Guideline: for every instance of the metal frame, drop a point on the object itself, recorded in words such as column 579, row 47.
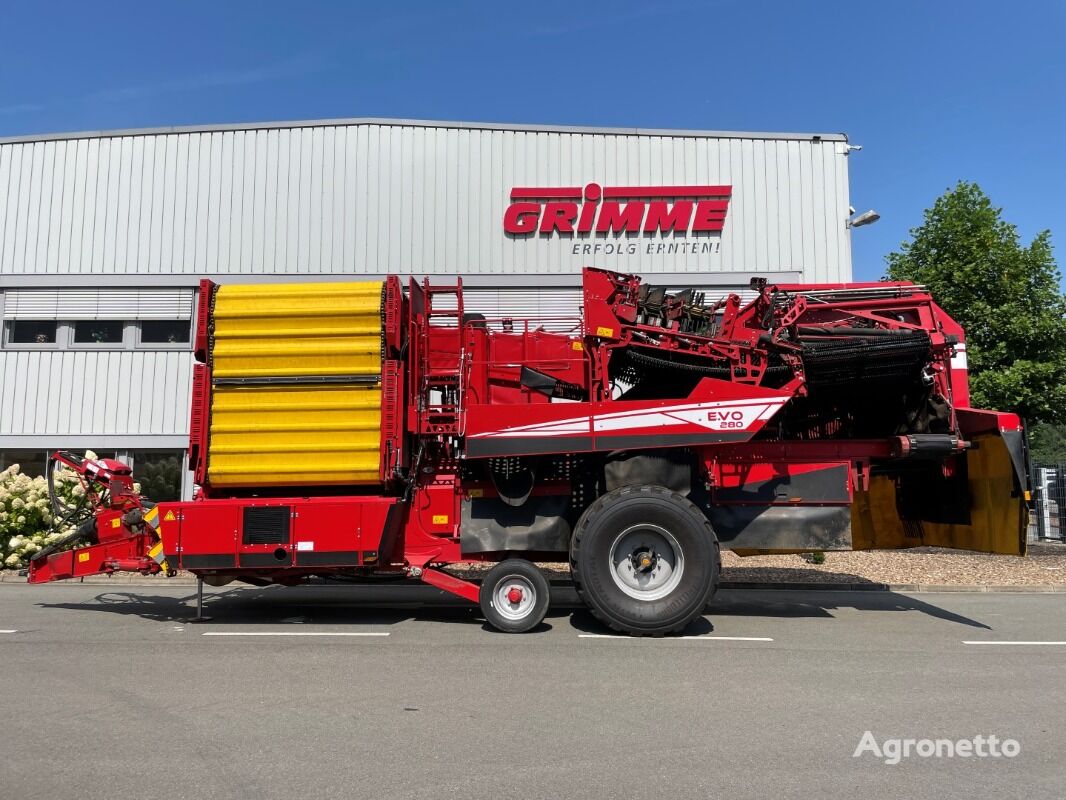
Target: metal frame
column 125, row 343
column 7, row 344
column 138, row 335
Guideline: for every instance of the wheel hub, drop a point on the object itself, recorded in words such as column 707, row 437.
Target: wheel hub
column 514, row 597
column 646, row 562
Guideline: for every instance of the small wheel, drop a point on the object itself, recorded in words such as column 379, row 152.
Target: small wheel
column 645, row 560
column 514, row 596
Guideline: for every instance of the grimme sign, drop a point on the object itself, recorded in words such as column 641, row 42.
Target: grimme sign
column 604, row 210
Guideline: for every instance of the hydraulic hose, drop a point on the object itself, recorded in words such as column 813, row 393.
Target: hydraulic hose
column 63, row 513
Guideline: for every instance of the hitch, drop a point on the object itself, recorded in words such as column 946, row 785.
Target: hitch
column 118, row 527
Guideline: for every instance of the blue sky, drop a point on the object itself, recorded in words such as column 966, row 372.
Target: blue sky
column 933, row 91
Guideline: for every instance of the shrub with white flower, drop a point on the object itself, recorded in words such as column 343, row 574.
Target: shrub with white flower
column 26, row 513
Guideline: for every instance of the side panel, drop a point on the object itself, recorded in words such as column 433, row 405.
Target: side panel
column 781, row 483
column 716, row 411
column 998, row 514
column 782, row 529
column 207, row 535
column 205, row 298
column 199, row 420
column 275, row 535
column 779, row 505
column 393, row 455
column 337, row 533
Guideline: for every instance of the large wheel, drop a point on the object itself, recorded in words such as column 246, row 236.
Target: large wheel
column 514, row 596
column 645, row 560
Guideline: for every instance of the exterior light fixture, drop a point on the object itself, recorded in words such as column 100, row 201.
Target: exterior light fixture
column 865, row 218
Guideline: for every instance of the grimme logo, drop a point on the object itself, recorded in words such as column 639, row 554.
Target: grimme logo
column 616, row 209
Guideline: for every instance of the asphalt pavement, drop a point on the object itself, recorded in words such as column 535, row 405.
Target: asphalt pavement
column 348, row 692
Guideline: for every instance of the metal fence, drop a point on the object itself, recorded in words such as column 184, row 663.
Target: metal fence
column 1048, row 520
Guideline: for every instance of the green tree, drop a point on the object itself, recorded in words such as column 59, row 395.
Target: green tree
column 1047, row 443
column 1005, row 295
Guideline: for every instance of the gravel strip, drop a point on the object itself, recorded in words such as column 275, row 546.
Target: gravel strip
column 1045, row 565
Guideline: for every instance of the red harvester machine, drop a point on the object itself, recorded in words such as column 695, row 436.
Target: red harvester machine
column 357, row 430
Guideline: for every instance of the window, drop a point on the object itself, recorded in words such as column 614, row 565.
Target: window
column 168, row 331
column 32, row 332
column 159, row 473
column 102, row 334
column 98, row 331
column 106, row 318
column 31, row 462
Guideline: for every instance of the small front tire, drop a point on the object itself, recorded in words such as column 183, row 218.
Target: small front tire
column 514, row 596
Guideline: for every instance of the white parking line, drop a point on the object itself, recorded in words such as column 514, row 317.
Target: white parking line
column 675, row 638
column 1029, row 643
column 295, row 633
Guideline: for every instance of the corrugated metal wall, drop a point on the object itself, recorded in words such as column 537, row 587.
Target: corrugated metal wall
column 406, row 198
column 108, row 393
column 147, row 211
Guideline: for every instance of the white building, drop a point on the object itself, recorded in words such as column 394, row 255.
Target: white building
column 104, row 236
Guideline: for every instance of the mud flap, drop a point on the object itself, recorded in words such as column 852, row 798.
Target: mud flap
column 996, row 479
column 489, row 525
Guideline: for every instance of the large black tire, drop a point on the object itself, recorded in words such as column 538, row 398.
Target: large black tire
column 641, row 521
column 530, row 603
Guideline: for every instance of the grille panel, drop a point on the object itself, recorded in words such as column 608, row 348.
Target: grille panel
column 266, row 525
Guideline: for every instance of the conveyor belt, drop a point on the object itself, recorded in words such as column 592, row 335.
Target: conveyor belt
column 863, row 362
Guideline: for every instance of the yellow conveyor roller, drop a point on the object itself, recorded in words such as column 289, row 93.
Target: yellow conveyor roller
column 298, row 431
column 303, row 330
